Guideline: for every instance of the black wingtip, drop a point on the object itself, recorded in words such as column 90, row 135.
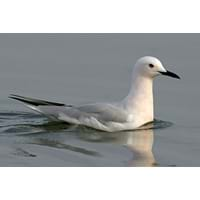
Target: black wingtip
column 35, row 102
column 22, row 100
column 16, row 97
column 12, row 96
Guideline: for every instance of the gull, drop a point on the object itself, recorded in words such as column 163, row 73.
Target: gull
column 132, row 112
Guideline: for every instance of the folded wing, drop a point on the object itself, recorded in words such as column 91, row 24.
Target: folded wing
column 104, row 112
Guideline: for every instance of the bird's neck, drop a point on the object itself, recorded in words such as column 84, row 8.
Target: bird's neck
column 139, row 101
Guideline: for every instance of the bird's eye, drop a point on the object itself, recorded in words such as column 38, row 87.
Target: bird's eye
column 151, row 65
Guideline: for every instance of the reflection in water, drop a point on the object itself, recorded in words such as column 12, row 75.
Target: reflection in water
column 59, row 145
column 140, row 143
column 86, row 141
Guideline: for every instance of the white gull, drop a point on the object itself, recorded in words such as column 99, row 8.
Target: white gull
column 132, row 112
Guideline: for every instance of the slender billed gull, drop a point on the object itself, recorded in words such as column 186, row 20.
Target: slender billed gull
column 135, row 110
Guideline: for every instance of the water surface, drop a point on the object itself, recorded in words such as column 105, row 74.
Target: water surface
column 82, row 68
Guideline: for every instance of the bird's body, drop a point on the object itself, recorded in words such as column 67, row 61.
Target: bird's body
column 131, row 113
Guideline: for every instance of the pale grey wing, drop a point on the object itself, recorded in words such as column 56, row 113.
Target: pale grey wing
column 101, row 111
column 104, row 112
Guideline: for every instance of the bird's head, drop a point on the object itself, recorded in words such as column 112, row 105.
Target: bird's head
column 151, row 67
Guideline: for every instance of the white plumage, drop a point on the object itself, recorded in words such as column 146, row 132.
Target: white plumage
column 131, row 113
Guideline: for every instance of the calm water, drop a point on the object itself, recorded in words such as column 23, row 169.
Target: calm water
column 82, row 68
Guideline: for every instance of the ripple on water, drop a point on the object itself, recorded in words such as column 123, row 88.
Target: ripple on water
column 30, row 123
column 18, row 122
column 33, row 129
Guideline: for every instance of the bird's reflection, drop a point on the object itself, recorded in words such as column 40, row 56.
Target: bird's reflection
column 140, row 143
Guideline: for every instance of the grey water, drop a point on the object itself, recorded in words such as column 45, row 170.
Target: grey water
column 82, row 68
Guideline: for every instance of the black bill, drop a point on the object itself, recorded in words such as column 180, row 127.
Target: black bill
column 171, row 74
